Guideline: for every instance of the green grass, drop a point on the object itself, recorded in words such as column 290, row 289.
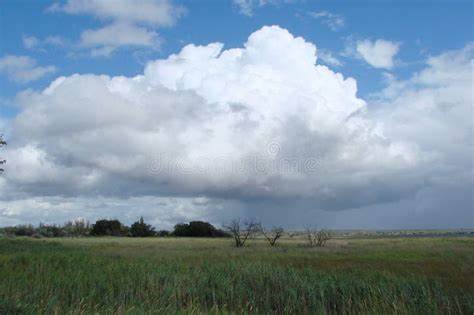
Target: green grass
column 167, row 276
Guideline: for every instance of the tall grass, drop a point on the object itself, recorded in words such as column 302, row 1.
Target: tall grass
column 39, row 277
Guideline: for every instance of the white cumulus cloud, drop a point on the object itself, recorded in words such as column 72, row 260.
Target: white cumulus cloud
column 207, row 107
column 379, row 53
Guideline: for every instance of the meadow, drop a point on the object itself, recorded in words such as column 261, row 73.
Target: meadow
column 92, row 275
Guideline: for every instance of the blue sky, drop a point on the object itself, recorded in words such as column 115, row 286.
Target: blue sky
column 393, row 153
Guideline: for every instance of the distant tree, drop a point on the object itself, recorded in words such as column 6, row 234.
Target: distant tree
column 72, row 228
column 78, row 227
column 317, row 237
column 241, row 232
column 2, row 143
column 272, row 235
column 50, row 230
column 198, row 229
column 20, row 230
column 141, row 229
column 109, row 228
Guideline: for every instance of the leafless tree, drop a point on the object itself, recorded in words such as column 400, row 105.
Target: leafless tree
column 317, row 237
column 242, row 231
column 272, row 235
column 2, row 143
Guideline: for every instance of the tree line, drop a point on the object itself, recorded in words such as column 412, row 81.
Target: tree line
column 239, row 231
column 105, row 227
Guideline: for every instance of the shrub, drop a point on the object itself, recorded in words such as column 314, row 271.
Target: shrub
column 78, row 227
column 20, row 230
column 49, row 230
column 317, row 238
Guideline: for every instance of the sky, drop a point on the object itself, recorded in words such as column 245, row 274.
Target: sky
column 327, row 114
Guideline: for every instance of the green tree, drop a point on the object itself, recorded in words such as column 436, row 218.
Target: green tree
column 197, row 229
column 109, row 227
column 141, row 229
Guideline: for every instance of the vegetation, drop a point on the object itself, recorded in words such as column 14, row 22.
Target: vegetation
column 141, row 229
column 105, row 227
column 184, row 275
column 109, row 228
column 241, row 232
column 348, row 272
column 197, row 229
column 71, row 228
column 317, row 237
column 272, row 235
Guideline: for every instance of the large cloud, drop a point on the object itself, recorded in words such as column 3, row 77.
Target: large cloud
column 248, row 128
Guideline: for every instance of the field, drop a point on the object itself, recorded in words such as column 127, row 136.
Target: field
column 419, row 275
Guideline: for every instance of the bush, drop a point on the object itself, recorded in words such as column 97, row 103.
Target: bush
column 198, row 229
column 20, row 230
column 109, row 228
column 49, row 230
column 78, row 227
column 72, row 228
column 141, row 229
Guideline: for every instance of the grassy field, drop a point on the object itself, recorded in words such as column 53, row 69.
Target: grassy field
column 171, row 275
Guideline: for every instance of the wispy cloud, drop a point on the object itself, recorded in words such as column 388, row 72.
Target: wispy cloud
column 329, row 58
column 247, row 7
column 334, row 21
column 34, row 43
column 129, row 23
column 151, row 12
column 104, row 41
column 23, row 69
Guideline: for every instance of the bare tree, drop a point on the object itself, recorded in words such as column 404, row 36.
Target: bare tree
column 317, row 237
column 272, row 235
column 241, row 232
column 2, row 143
